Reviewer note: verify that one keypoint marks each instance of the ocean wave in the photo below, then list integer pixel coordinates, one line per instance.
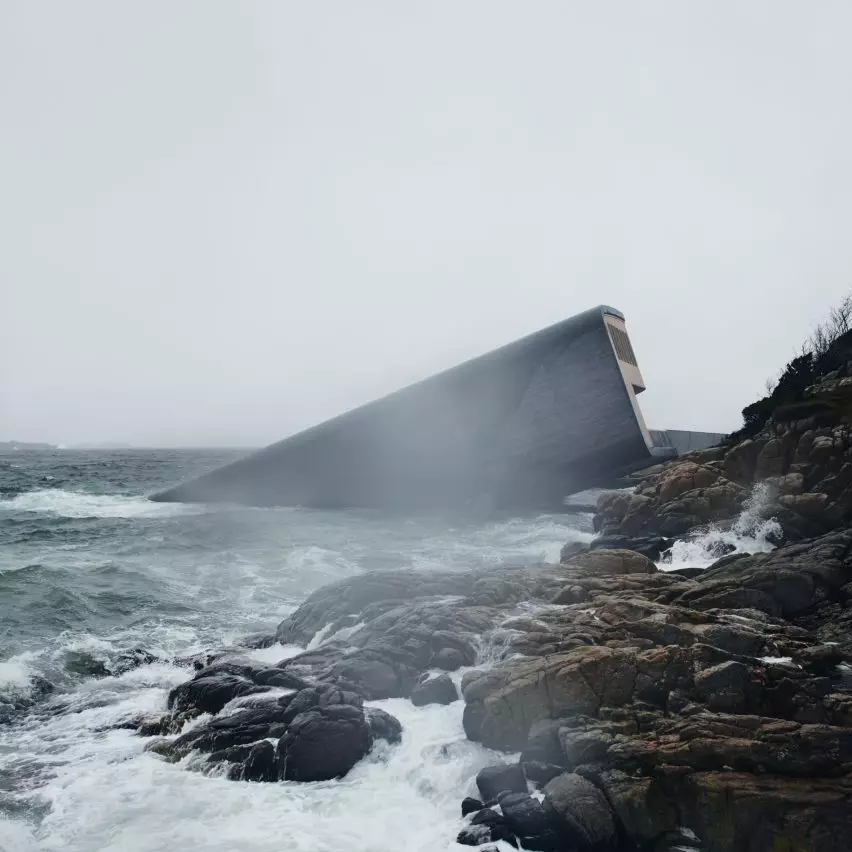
(753, 531)
(16, 674)
(79, 504)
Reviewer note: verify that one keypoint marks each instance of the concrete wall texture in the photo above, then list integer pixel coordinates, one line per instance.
(518, 427)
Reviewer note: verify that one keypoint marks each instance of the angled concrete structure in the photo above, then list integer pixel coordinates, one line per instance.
(519, 427)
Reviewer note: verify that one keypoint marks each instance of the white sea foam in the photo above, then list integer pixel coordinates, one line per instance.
(79, 504)
(16, 836)
(106, 792)
(16, 674)
(325, 635)
(274, 653)
(753, 531)
(204, 584)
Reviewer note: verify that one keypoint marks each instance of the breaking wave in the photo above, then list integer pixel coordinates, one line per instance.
(78, 504)
(753, 531)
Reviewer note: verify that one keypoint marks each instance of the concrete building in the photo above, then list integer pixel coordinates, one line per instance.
(517, 428)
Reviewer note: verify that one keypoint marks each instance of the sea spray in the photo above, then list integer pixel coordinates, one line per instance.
(754, 530)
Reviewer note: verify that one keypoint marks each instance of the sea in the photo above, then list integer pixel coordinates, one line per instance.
(90, 568)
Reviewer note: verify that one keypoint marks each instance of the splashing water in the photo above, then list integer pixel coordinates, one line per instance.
(76, 504)
(751, 532)
(89, 569)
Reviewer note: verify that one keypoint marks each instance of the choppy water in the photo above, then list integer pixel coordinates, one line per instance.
(89, 568)
(88, 565)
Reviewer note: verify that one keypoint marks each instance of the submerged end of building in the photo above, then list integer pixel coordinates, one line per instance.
(517, 428)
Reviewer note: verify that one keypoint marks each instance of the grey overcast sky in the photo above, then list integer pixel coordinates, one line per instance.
(223, 221)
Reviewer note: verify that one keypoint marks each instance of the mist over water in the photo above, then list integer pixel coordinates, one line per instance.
(89, 568)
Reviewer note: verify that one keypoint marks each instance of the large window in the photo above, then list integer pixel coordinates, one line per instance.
(621, 342)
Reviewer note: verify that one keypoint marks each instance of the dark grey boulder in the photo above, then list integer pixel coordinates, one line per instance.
(486, 826)
(209, 693)
(735, 640)
(281, 678)
(323, 743)
(260, 763)
(471, 806)
(505, 777)
(529, 821)
(542, 742)
(131, 659)
(437, 689)
(324, 695)
(233, 754)
(374, 675)
(240, 728)
(540, 772)
(383, 726)
(580, 814)
(725, 686)
(84, 663)
(651, 546)
(448, 659)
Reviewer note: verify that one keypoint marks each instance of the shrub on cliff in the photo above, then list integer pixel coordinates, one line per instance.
(828, 348)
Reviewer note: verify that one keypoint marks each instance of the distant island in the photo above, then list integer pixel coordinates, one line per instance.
(25, 445)
(99, 445)
(13, 446)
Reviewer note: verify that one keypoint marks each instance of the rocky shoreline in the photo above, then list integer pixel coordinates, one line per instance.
(639, 709)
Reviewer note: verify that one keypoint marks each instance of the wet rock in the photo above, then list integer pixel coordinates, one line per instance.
(584, 746)
(582, 816)
(505, 702)
(687, 573)
(529, 821)
(323, 743)
(490, 826)
(383, 726)
(822, 659)
(449, 660)
(706, 741)
(570, 550)
(434, 690)
(615, 562)
(324, 695)
(540, 772)
(210, 692)
(741, 460)
(237, 755)
(725, 686)
(279, 677)
(374, 675)
(741, 812)
(505, 777)
(471, 806)
(653, 546)
(810, 505)
(259, 640)
(261, 763)
(788, 582)
(736, 640)
(349, 597)
(83, 663)
(128, 660)
(542, 744)
(241, 728)
(574, 593)
(640, 803)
